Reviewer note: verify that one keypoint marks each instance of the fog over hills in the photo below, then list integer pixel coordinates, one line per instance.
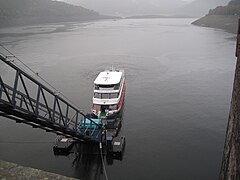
(130, 7)
(147, 7)
(200, 7)
(26, 12)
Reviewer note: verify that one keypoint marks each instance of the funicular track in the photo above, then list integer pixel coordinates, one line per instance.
(29, 101)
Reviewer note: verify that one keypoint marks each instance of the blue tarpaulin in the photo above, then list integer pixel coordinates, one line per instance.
(86, 123)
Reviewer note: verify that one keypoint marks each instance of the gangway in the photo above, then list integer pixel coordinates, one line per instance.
(29, 101)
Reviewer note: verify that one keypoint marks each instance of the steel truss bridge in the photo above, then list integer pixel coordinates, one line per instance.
(27, 100)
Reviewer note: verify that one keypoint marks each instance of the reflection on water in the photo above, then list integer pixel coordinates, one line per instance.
(87, 162)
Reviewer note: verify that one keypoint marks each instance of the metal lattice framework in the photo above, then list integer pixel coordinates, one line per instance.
(43, 108)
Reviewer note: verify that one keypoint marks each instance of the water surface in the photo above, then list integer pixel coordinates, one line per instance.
(179, 82)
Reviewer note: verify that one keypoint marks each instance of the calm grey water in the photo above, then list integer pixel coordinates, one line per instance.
(179, 82)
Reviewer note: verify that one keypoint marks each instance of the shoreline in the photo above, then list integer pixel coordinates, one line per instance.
(10, 170)
(37, 22)
(224, 22)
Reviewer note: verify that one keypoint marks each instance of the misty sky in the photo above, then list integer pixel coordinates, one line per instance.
(139, 7)
(130, 7)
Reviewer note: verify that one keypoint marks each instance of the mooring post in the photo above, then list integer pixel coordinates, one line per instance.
(230, 169)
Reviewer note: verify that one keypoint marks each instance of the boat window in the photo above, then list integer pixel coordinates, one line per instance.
(116, 87)
(106, 86)
(105, 96)
(96, 87)
(113, 95)
(96, 107)
(96, 95)
(113, 107)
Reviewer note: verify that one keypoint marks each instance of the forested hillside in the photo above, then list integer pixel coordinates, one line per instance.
(222, 17)
(25, 12)
(233, 8)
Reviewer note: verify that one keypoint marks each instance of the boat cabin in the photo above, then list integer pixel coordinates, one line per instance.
(108, 87)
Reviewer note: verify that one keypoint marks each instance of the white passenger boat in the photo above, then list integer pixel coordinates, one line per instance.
(109, 91)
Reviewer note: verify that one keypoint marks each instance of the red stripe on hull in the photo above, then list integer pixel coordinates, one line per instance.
(122, 97)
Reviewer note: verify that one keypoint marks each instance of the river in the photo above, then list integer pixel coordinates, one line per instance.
(179, 82)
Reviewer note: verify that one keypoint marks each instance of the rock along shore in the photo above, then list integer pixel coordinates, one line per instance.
(16, 172)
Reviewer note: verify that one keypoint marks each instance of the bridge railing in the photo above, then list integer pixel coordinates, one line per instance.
(27, 97)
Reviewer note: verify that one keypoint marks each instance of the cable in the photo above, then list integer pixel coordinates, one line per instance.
(104, 168)
(41, 78)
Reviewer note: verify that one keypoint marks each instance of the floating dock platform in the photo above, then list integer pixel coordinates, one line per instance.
(63, 146)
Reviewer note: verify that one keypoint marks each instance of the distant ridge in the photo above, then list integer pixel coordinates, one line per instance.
(222, 17)
(28, 12)
(156, 16)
